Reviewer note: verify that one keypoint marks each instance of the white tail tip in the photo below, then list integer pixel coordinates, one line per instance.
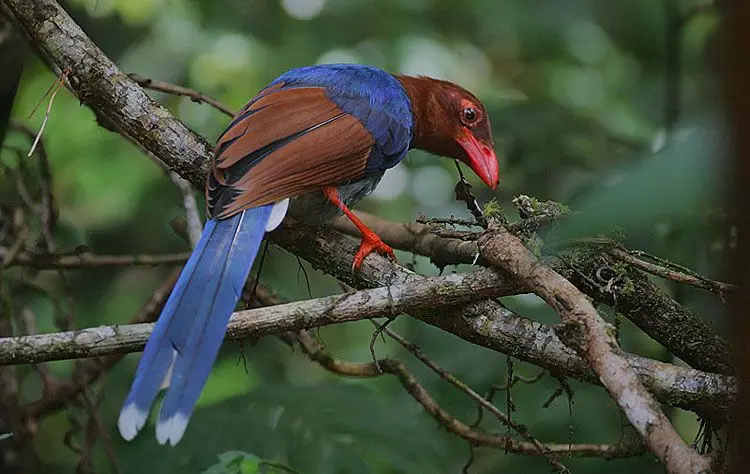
(172, 429)
(130, 422)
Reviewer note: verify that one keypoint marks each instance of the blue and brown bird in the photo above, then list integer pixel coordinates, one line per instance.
(329, 131)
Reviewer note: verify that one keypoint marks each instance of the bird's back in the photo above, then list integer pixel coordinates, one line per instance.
(312, 127)
(376, 98)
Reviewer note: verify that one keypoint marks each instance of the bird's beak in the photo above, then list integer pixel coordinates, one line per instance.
(480, 158)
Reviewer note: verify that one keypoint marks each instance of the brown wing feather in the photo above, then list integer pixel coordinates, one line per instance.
(320, 146)
(272, 117)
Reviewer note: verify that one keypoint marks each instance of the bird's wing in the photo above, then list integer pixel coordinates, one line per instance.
(285, 142)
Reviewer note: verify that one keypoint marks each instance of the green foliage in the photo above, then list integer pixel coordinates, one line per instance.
(235, 462)
(240, 462)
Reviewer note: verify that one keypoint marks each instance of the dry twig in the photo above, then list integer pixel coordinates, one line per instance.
(57, 86)
(474, 436)
(174, 89)
(88, 260)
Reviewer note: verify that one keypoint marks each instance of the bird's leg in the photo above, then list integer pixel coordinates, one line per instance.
(370, 240)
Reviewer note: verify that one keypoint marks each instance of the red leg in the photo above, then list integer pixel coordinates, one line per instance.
(370, 240)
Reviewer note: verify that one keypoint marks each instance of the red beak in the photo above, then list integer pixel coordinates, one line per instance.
(480, 158)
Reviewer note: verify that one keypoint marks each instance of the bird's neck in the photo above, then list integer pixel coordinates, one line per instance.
(430, 130)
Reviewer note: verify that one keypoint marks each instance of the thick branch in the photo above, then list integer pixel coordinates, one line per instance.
(486, 323)
(118, 101)
(593, 338)
(421, 293)
(489, 324)
(676, 327)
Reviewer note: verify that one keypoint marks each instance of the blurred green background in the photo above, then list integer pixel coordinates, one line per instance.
(579, 97)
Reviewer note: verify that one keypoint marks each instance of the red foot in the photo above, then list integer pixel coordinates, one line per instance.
(370, 240)
(371, 243)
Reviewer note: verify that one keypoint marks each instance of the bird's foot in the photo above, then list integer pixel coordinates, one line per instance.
(371, 242)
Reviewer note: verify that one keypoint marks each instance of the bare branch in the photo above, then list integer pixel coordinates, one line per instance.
(680, 276)
(174, 89)
(120, 104)
(679, 329)
(123, 106)
(484, 323)
(481, 401)
(476, 437)
(585, 331)
(88, 370)
(192, 215)
(422, 293)
(49, 207)
(88, 260)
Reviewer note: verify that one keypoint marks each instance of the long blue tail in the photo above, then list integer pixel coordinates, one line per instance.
(189, 332)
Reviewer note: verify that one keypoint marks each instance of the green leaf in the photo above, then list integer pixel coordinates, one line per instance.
(235, 462)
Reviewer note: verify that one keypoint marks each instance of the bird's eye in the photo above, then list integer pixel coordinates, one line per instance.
(469, 115)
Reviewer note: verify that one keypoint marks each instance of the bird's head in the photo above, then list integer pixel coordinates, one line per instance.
(450, 121)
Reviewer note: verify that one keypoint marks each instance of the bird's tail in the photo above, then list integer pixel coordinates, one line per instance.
(186, 339)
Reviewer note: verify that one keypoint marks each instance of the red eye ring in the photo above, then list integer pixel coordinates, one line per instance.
(469, 113)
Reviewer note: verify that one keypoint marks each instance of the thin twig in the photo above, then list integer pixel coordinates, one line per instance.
(174, 89)
(486, 404)
(48, 205)
(192, 215)
(60, 82)
(475, 437)
(89, 260)
(14, 251)
(679, 276)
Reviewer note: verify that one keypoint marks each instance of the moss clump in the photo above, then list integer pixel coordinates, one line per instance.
(530, 207)
(493, 210)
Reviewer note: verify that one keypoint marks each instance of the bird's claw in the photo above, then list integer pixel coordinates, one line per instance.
(371, 243)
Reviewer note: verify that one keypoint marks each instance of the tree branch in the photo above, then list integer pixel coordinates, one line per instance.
(89, 370)
(676, 327)
(585, 331)
(473, 436)
(485, 323)
(88, 260)
(119, 103)
(194, 95)
(421, 293)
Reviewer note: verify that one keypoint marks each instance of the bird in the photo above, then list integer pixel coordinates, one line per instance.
(319, 134)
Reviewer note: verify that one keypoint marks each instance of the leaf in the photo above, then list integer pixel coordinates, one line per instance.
(235, 462)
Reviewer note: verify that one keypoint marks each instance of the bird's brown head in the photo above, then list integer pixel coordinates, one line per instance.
(450, 121)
